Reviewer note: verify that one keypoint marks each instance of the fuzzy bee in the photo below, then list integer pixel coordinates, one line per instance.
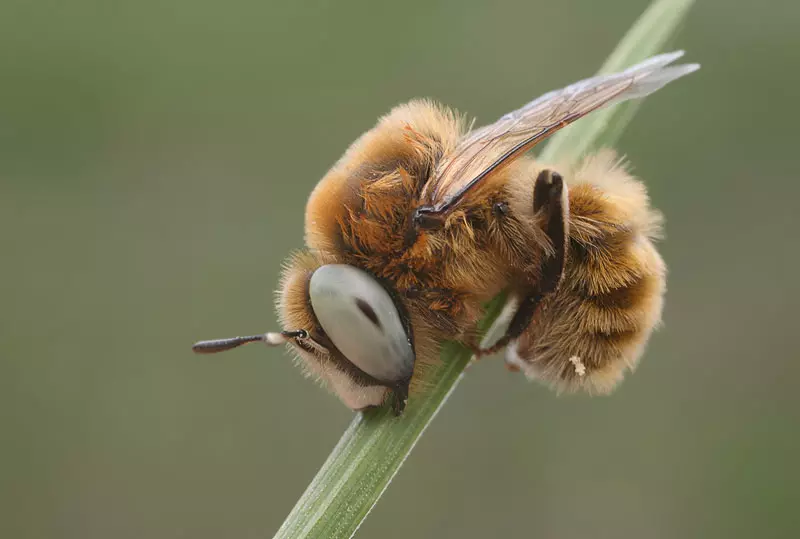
(424, 220)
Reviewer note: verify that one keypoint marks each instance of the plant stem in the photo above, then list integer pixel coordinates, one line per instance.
(371, 451)
(376, 443)
(648, 36)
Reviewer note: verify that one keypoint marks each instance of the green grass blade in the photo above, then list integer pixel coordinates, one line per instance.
(648, 36)
(371, 451)
(376, 443)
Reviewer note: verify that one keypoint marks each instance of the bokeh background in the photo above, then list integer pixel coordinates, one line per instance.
(155, 158)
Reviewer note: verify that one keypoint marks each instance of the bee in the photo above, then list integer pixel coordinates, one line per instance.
(423, 220)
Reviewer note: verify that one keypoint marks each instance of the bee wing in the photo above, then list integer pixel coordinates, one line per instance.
(489, 148)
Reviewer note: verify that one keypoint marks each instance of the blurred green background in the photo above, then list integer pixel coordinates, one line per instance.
(155, 158)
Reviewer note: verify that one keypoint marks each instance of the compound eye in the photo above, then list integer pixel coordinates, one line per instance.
(360, 318)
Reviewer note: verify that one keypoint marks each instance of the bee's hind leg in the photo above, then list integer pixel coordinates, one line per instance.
(522, 318)
(551, 211)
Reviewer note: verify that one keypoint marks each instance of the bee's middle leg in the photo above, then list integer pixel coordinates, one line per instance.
(551, 211)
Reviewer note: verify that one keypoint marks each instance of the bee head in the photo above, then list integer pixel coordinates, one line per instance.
(347, 330)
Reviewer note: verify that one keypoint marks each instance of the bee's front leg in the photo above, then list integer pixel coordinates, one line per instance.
(551, 211)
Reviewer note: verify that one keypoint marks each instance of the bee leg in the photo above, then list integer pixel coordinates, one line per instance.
(551, 210)
(399, 398)
(521, 320)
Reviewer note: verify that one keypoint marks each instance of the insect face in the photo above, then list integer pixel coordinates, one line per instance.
(352, 337)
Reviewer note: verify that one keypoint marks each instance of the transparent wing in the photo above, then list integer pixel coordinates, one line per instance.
(487, 149)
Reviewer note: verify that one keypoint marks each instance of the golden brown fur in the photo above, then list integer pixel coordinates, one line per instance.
(360, 214)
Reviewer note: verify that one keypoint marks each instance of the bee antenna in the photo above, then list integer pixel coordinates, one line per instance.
(270, 339)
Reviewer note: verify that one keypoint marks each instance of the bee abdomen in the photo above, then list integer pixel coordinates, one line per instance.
(587, 341)
(595, 327)
(629, 300)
